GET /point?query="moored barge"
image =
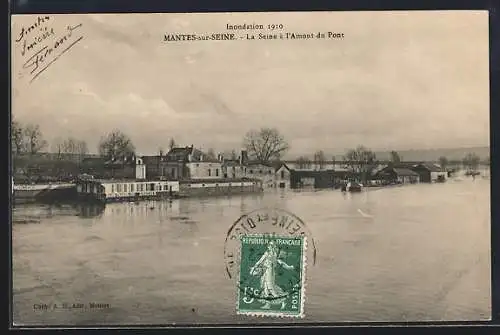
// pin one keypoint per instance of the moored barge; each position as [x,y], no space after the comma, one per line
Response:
[107,191]
[24,193]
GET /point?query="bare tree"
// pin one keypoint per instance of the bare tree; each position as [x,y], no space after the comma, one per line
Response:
[303,162]
[319,159]
[443,162]
[34,139]
[58,147]
[360,160]
[70,147]
[171,143]
[471,161]
[265,144]
[116,145]
[395,158]
[17,138]
[81,149]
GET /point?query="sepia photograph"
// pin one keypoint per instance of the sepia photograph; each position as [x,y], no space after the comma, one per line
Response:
[250,168]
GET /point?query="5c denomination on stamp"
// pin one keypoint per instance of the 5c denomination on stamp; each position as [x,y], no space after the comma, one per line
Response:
[265,254]
[272,275]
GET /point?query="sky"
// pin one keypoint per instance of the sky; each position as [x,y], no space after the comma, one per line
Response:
[397,80]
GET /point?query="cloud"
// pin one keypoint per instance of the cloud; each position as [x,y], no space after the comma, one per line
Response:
[421,84]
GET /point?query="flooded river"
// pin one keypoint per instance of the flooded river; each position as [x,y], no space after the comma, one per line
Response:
[411,253]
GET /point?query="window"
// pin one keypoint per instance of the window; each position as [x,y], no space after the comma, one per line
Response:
[131,187]
[173,172]
[251,171]
[270,172]
[112,188]
[152,187]
[282,174]
[209,172]
[118,187]
[216,172]
[124,187]
[234,168]
[260,171]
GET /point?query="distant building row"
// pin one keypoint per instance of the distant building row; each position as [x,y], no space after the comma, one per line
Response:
[189,163]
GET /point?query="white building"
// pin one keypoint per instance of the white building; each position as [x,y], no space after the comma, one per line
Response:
[282,176]
[140,169]
[201,166]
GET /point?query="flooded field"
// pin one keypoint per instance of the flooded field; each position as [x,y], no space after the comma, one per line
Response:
[412,253]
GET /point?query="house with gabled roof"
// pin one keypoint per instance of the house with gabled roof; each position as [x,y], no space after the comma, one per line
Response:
[430,172]
[262,171]
[196,163]
[397,174]
[182,163]
[282,175]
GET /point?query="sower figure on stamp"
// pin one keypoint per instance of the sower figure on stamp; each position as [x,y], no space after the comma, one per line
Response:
[266,269]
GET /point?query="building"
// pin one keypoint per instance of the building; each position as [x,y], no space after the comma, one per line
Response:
[122,168]
[265,172]
[140,169]
[310,178]
[232,169]
[157,167]
[245,168]
[282,175]
[201,166]
[430,172]
[399,175]
[183,163]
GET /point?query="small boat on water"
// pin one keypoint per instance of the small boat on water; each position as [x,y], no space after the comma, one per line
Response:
[352,187]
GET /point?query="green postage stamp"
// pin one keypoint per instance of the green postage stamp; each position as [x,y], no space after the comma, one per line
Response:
[272,275]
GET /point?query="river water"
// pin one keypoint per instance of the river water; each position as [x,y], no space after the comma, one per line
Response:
[410,253]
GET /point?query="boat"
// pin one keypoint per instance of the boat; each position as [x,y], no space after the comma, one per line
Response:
[352,187]
[106,191]
[42,192]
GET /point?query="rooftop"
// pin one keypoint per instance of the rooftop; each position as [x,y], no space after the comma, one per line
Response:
[405,172]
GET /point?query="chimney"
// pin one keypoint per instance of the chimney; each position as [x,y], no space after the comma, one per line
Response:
[243,157]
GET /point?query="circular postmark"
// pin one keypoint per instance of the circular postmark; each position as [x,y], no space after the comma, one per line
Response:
[265,253]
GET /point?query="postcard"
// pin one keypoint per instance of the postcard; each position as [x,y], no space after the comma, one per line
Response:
[249,168]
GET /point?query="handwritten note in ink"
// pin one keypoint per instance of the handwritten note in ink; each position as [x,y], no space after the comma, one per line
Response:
[42,41]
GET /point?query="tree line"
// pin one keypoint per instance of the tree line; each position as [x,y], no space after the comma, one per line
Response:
[264,145]
[28,140]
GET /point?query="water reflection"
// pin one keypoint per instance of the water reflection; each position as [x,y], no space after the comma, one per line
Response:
[90,210]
